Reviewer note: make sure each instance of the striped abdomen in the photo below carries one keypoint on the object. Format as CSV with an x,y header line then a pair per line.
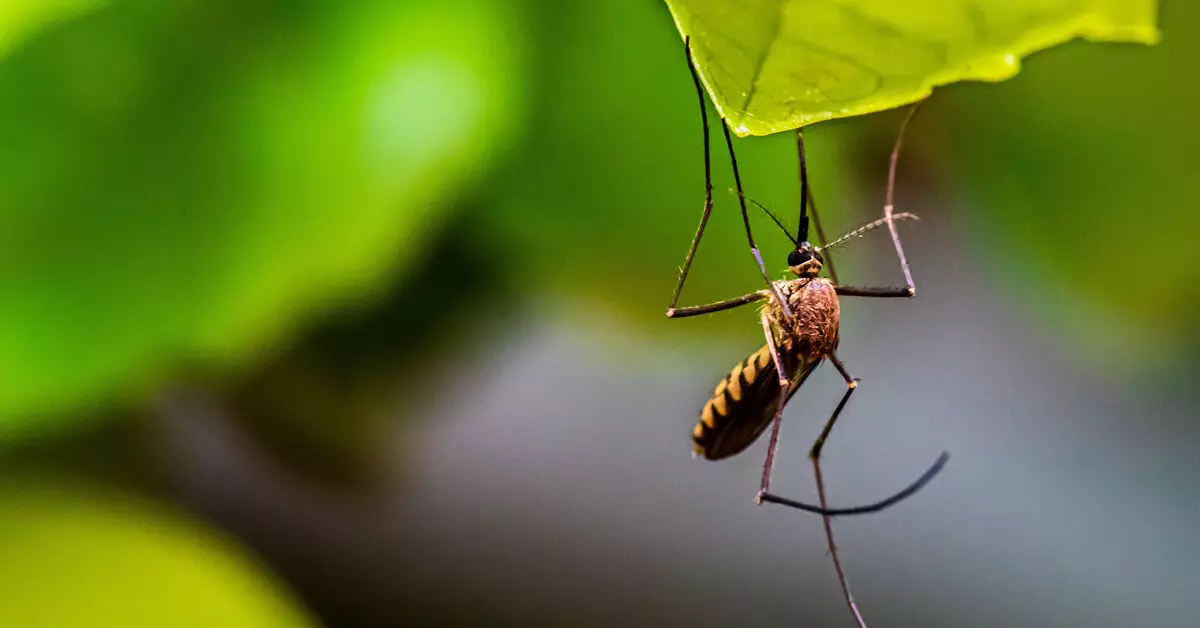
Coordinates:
x,y
744,402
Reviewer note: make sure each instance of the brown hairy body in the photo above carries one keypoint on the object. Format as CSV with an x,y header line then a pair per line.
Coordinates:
x,y
813,331
745,400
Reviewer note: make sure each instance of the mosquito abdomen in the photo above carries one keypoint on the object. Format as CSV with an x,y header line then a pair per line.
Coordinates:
x,y
732,417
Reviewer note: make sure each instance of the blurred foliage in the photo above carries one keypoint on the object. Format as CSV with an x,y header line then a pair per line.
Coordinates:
x,y
1079,176
79,556
774,65
20,19
321,408
185,181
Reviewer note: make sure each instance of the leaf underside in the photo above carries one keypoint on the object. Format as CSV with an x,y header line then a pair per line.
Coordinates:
x,y
19,19
775,65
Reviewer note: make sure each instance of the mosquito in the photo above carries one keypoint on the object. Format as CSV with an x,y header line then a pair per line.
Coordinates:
x,y
800,319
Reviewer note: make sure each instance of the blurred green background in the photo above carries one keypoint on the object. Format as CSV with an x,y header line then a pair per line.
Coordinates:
x,y
351,314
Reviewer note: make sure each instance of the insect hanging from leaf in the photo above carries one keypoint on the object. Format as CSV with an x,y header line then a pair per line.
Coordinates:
x,y
800,320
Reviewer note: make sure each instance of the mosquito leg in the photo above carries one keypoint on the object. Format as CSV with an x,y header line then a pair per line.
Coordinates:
x,y
815,453
851,386
727,304
815,456
837,563
737,178
867,509
708,197
883,292
769,331
812,206
889,206
807,201
823,509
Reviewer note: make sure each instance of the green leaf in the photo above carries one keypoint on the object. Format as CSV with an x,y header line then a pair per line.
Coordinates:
x,y
185,182
76,556
774,65
20,19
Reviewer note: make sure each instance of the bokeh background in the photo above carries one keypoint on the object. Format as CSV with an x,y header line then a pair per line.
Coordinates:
x,y
350,314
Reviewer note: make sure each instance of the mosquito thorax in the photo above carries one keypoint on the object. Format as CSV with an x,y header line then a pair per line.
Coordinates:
x,y
804,261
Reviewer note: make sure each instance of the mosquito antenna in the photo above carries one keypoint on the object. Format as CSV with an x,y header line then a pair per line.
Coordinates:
x,y
861,231
774,218
802,228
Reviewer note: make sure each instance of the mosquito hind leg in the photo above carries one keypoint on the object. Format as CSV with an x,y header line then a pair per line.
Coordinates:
x,y
815,456
764,494
764,491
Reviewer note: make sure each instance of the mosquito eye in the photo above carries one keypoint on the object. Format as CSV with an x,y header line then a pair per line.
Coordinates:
x,y
820,258
798,257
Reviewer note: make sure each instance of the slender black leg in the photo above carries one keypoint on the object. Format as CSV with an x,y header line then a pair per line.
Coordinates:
x,y
708,199
815,456
727,304
785,384
823,509
851,386
812,206
851,291
807,201
867,509
837,563
737,179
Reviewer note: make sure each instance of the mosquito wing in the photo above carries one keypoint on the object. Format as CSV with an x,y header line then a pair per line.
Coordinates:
x,y
744,402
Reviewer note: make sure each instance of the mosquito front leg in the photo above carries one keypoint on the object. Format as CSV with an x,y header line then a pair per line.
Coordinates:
x,y
708,197
672,311
727,304
816,218
737,179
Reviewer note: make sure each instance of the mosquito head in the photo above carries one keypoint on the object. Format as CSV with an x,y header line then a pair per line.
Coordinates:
x,y
805,261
